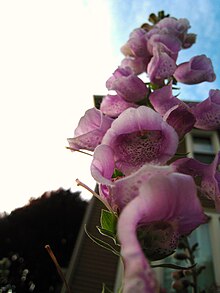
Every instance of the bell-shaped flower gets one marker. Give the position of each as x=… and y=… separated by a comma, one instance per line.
x=174, y=111
x=197, y=70
x=207, y=113
x=126, y=188
x=173, y=26
x=181, y=119
x=127, y=85
x=169, y=41
x=114, y=105
x=166, y=208
x=90, y=130
x=118, y=190
x=206, y=176
x=162, y=99
x=161, y=66
x=136, y=45
x=138, y=65
x=140, y=136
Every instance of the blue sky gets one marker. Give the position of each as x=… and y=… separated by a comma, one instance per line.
x=55, y=55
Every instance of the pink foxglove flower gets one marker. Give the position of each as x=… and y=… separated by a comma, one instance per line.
x=161, y=66
x=127, y=85
x=162, y=213
x=140, y=136
x=170, y=42
x=174, y=27
x=208, y=175
x=90, y=130
x=136, y=46
x=114, y=105
x=162, y=99
x=136, y=64
x=174, y=111
x=198, y=69
x=207, y=113
x=119, y=191
x=181, y=119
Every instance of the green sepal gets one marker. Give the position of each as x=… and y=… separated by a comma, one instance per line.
x=153, y=86
x=117, y=173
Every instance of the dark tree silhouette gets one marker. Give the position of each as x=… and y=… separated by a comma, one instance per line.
x=55, y=219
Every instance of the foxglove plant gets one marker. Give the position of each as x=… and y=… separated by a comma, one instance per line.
x=150, y=194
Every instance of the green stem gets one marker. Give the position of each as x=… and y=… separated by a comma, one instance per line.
x=192, y=262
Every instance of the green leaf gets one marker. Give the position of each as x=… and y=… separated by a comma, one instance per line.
x=105, y=289
x=108, y=221
x=101, y=243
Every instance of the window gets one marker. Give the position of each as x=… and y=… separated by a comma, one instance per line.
x=202, y=145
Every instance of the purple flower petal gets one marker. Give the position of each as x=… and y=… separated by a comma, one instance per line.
x=136, y=45
x=103, y=165
x=120, y=191
x=161, y=66
x=102, y=169
x=198, y=69
x=171, y=42
x=127, y=85
x=162, y=199
x=173, y=26
x=163, y=99
x=90, y=130
x=136, y=64
x=207, y=113
x=127, y=188
x=208, y=175
x=174, y=111
x=140, y=136
x=181, y=119
x=114, y=105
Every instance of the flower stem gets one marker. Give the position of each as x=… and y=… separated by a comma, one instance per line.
x=75, y=150
x=79, y=183
x=53, y=257
x=192, y=262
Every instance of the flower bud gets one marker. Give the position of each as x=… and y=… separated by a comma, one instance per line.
x=187, y=272
x=176, y=275
x=180, y=256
